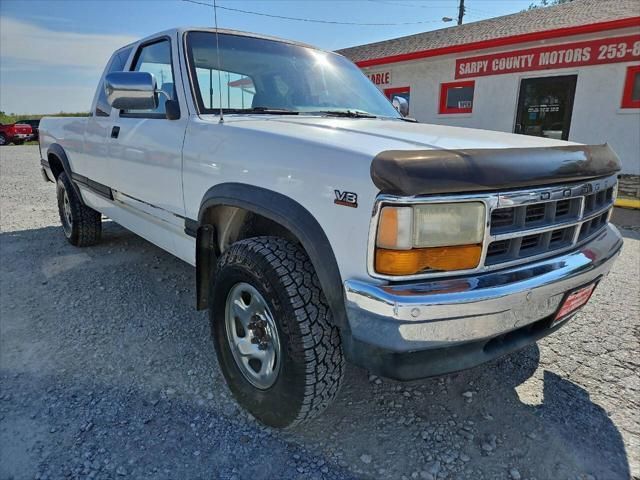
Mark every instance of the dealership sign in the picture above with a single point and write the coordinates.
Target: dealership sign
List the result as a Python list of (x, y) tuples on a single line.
[(591, 52)]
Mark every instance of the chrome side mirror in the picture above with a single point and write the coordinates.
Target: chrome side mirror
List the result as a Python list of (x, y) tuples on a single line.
[(131, 90), (401, 105)]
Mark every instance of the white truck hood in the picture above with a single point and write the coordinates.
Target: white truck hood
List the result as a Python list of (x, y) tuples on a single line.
[(413, 159), (376, 135)]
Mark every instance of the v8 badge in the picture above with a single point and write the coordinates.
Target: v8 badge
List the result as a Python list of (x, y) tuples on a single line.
[(346, 199)]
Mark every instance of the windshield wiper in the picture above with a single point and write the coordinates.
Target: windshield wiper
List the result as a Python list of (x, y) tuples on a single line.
[(269, 110), (261, 110), (346, 113)]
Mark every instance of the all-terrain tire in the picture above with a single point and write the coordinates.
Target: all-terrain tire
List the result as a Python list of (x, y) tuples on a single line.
[(312, 363), (82, 225)]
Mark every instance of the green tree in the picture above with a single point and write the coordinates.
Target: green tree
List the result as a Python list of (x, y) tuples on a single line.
[(547, 3)]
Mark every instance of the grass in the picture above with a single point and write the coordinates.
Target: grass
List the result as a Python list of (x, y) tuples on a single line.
[(9, 118)]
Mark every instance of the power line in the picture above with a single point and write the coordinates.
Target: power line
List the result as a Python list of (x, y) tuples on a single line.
[(477, 14), (475, 17), (398, 4), (484, 12), (310, 20), (431, 4)]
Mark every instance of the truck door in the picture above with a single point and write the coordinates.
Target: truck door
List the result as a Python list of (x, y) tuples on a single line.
[(93, 160), (145, 148)]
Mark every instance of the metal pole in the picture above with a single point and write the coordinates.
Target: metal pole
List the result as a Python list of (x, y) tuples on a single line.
[(215, 20), (460, 12)]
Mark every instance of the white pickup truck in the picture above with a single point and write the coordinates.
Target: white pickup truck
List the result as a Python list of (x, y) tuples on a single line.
[(323, 225)]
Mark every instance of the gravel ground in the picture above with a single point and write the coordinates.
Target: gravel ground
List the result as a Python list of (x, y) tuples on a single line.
[(107, 371)]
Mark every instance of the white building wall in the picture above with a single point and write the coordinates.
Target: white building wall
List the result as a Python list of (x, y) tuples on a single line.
[(597, 116)]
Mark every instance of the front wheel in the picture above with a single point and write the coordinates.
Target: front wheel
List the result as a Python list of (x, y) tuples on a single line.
[(273, 333), (3, 139), (82, 225)]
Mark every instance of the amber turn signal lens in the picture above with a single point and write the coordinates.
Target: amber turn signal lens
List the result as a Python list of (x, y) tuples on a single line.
[(395, 228), (388, 231), (410, 262)]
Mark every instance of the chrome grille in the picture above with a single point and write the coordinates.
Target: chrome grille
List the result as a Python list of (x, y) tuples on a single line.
[(539, 223), (502, 218), (523, 226), (534, 214)]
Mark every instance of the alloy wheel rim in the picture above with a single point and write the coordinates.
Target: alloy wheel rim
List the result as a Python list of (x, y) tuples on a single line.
[(252, 335)]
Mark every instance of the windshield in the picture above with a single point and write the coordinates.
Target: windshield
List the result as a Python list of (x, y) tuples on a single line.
[(258, 75)]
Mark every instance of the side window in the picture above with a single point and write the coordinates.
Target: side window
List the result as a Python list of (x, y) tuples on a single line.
[(631, 94), (155, 58), (237, 89), (456, 97), (116, 64)]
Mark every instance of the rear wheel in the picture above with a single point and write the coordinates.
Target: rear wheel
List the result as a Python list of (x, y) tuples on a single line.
[(272, 329), (82, 225), (18, 142)]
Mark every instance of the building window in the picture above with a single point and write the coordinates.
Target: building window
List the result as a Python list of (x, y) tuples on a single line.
[(631, 92), (404, 92), (457, 97)]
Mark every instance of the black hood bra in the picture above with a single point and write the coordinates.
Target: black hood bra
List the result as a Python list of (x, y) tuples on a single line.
[(427, 172)]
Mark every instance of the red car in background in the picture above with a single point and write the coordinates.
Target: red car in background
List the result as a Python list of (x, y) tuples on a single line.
[(16, 133), (34, 124)]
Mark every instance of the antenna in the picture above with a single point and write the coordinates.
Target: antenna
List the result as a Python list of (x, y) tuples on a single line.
[(215, 20)]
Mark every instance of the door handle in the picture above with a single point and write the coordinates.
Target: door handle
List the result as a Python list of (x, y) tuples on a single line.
[(115, 131)]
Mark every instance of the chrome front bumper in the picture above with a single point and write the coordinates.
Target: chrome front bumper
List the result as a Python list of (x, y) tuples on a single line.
[(450, 312)]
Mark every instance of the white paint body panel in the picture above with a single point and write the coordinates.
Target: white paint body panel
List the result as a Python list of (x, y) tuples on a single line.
[(161, 172), (307, 158)]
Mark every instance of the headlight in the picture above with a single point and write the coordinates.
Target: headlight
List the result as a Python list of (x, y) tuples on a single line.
[(430, 237), (448, 224)]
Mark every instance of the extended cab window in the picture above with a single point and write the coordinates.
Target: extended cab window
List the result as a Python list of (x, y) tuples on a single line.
[(155, 58), (116, 64)]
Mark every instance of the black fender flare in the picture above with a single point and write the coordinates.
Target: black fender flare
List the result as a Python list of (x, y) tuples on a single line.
[(57, 151), (299, 221)]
